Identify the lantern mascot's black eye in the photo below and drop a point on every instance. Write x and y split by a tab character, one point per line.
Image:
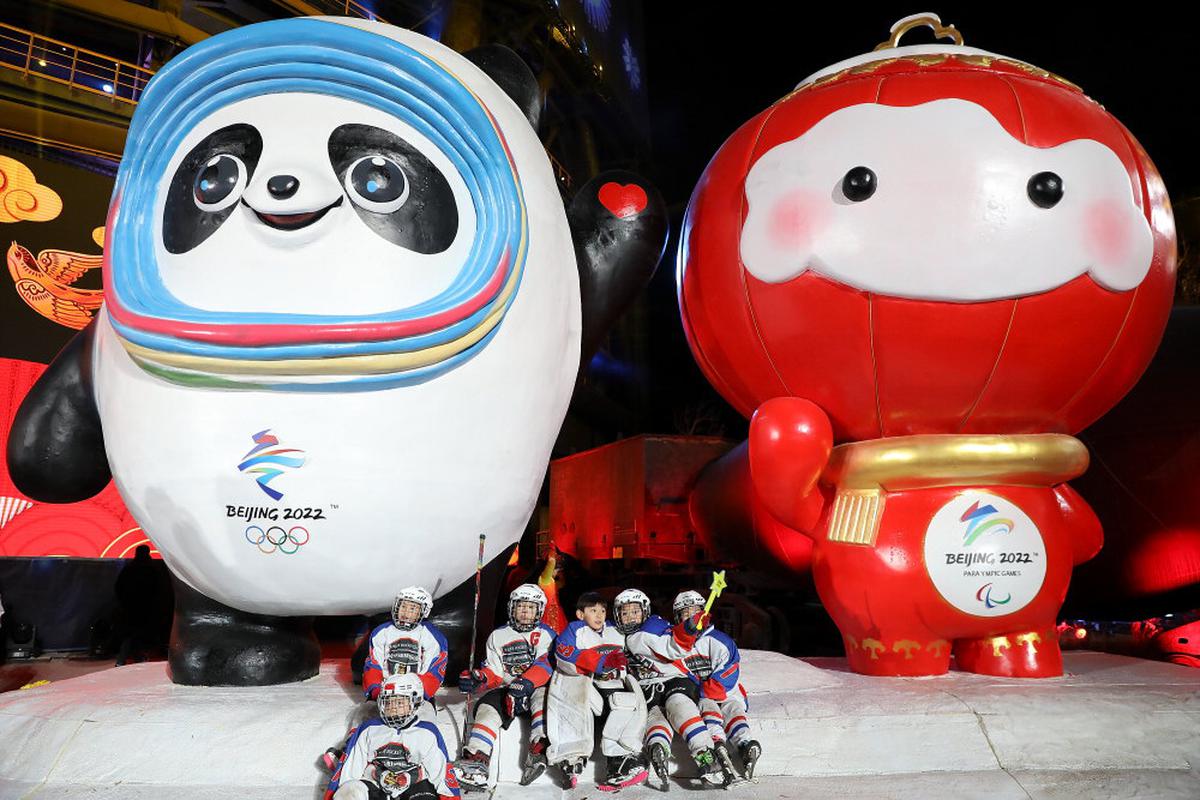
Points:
340	334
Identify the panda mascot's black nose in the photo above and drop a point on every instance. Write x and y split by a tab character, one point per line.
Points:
282	187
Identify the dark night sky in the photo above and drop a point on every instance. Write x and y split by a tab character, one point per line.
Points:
712	66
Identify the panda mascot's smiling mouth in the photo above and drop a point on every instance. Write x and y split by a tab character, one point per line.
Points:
292	222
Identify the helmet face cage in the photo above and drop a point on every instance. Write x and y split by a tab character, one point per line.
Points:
630	597
526	593
684	602
417	596
399	700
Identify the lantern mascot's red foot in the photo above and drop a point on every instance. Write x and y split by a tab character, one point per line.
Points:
919	274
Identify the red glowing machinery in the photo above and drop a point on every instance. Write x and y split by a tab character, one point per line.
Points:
919	274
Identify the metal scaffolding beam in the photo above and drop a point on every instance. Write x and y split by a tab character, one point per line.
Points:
139	18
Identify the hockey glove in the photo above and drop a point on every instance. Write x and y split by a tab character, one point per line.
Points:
472	679
611	661
693	625
520	695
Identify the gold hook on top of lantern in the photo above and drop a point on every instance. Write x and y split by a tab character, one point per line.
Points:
927	19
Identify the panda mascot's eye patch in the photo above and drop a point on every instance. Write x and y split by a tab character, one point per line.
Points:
394	188
205	188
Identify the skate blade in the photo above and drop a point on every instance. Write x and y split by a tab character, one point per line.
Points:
633	781
532	773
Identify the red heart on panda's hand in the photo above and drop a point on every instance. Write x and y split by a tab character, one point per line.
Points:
625	201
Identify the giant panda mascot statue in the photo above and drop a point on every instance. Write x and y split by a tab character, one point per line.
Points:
342	326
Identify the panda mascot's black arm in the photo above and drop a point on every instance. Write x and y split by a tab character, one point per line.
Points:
56	445
618	220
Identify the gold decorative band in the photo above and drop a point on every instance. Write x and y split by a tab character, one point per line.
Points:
855	517
927	461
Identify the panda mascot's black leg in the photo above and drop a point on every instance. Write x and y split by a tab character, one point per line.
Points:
215	645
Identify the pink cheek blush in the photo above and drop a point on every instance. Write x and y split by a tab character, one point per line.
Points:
1106	232
795	220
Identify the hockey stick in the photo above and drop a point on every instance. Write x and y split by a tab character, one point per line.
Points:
469	716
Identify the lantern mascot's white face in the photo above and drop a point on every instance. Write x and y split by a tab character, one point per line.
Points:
341	326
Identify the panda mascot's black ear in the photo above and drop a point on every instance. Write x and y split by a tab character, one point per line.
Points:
512	74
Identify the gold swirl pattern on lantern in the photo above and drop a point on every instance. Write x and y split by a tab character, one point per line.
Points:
22	198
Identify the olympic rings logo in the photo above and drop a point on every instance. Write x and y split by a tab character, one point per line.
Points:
276	538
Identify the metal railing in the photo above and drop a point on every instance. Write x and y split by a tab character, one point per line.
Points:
346	8
61	62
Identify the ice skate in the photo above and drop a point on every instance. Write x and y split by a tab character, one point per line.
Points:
623	772
535	762
709	765
726	769
750	752
571	771
657	756
472	770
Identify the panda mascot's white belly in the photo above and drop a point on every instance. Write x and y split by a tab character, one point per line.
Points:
328	495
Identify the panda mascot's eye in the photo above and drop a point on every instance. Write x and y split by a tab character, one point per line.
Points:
207	184
220	183
394	188
377	184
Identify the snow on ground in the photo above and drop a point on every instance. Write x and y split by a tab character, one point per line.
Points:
1112	727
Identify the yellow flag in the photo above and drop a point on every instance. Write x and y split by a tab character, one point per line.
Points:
714	591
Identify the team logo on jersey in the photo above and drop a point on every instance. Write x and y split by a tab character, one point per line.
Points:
516	656
393	757
403	656
565	650
698	665
642	667
268	461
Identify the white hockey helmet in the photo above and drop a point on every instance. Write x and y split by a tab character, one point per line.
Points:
685	600
413	594
637	597
526	593
392	694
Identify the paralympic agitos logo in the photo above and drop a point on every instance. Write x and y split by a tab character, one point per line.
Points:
980	521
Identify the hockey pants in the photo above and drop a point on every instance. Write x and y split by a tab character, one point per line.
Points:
491	716
727	718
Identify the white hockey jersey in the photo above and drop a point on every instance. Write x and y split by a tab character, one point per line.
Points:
510	654
417	749
393	651
578	651
654	656
713	659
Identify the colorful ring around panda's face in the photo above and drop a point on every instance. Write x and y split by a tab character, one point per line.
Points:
338	214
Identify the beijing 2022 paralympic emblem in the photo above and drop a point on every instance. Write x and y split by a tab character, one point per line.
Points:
985	555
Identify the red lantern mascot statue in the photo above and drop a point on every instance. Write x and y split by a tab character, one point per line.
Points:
919	273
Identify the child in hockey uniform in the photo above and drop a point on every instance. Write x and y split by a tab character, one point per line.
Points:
512	677
655	659
407	644
395	756
714	660
590	679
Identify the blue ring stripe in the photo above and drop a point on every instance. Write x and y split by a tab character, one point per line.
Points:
166	120
340	61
